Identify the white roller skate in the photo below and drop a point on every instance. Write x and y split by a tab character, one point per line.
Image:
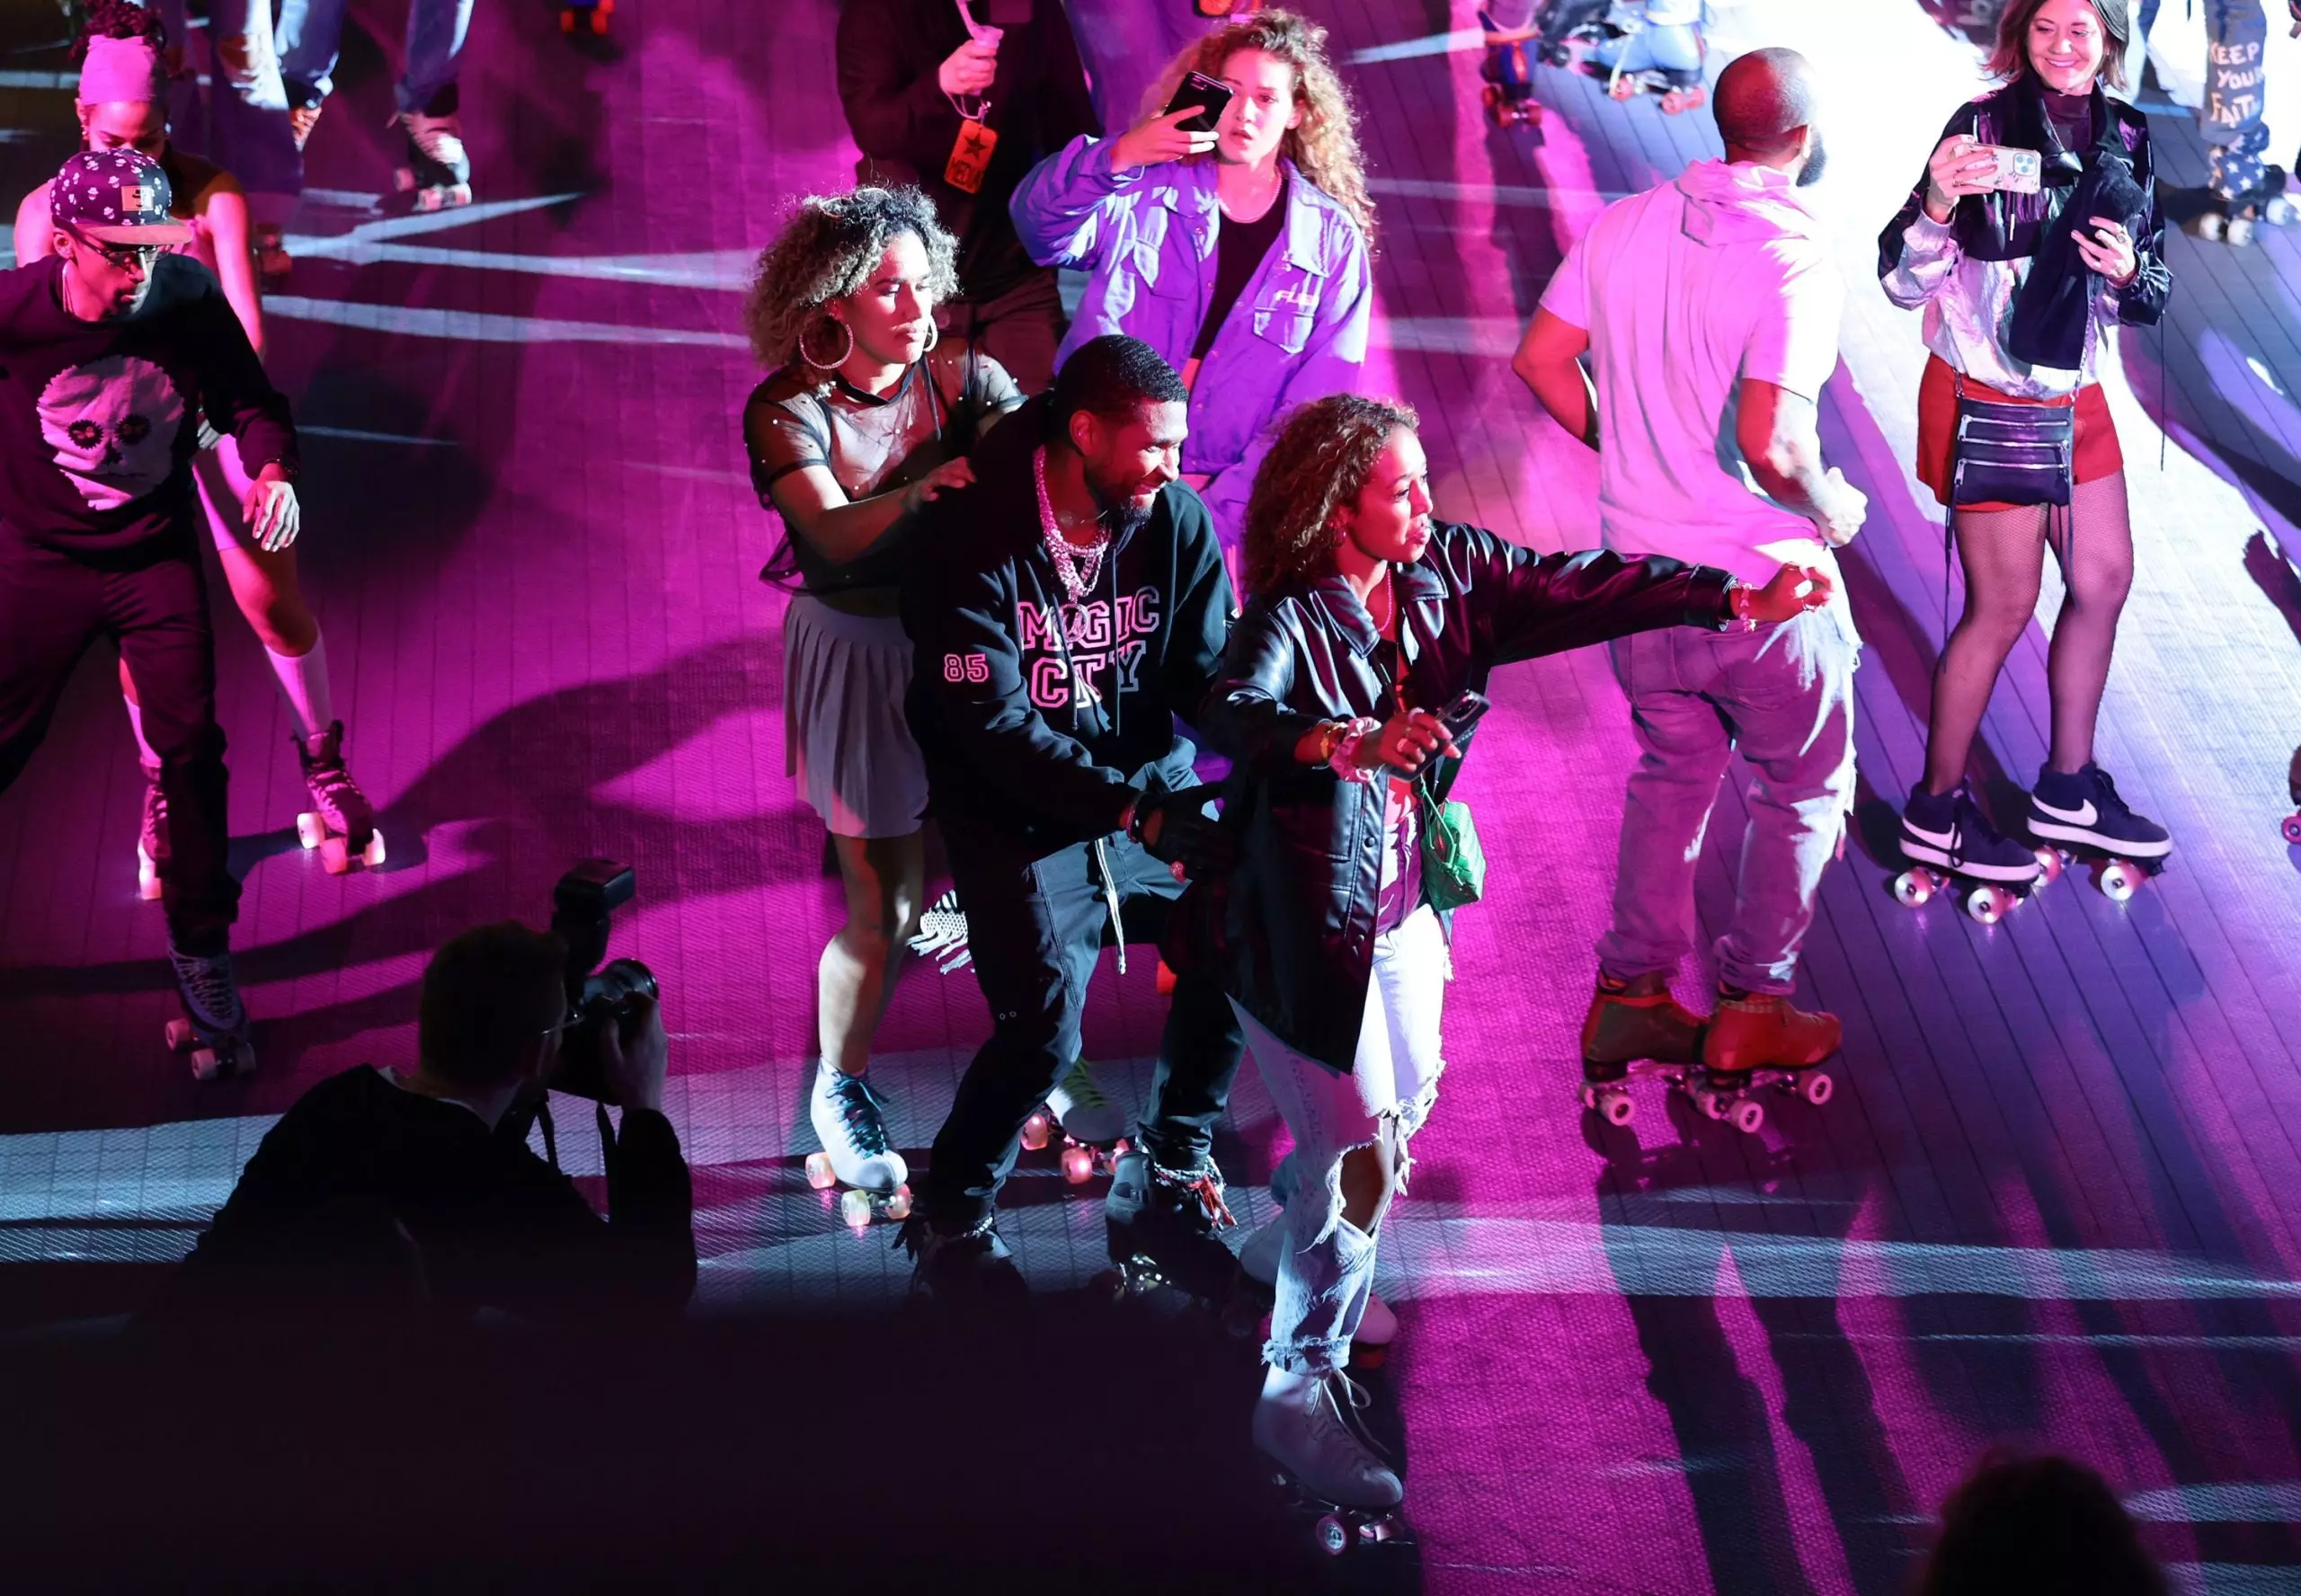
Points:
850	1120
152	837
341	823
1378	1327
437	172
1323	1462
214	1029
1093	1127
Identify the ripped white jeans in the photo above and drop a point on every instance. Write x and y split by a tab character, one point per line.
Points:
1327	1267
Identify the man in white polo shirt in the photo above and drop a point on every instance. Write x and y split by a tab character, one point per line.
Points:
1708	307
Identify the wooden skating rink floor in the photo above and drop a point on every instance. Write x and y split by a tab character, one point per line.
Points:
2055	1203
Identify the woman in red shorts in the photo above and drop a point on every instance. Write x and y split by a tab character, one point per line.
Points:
2019	292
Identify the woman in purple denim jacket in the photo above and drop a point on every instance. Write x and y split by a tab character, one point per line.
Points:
1248	272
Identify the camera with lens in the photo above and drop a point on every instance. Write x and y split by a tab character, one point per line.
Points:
600	990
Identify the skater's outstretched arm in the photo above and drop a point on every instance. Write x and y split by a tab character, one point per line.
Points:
1549	361
1544	603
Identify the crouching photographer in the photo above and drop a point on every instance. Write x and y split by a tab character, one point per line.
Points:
435	1159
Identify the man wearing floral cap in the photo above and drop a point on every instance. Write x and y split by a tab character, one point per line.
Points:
111	352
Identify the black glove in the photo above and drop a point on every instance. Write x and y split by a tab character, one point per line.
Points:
1176	829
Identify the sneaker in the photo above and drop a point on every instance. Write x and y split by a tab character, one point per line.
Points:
1299	1425
1948	830
1259	1258
1764	1031
2084	808
850	1120
1633	1020
1080	1107
971	1265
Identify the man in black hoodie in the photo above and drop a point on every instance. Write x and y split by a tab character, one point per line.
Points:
1063	610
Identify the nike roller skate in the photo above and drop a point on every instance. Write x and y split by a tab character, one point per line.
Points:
849	1118
1093	1128
1322	1465
438	172
341	823
152	837
2080	820
1950	844
214	1029
1508	75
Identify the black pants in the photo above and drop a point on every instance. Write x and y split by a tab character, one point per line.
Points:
154	607
1034	924
1020	329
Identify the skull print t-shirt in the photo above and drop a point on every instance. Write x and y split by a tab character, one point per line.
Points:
99	420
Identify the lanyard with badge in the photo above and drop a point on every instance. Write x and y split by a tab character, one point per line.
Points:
971	154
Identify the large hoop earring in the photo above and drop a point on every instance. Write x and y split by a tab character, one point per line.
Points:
831	364
934	337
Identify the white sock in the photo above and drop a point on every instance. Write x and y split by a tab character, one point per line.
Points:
136	725
303	682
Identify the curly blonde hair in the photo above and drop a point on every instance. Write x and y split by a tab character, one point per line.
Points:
1320	461
1325	147
827	251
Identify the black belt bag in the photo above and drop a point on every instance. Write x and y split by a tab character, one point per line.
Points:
2005	453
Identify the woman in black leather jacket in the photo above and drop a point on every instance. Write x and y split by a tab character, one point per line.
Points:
2020	293
1365	616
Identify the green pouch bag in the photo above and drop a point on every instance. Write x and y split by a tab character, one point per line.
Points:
1453	864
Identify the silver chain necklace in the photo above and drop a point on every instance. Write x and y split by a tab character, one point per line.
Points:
1077	567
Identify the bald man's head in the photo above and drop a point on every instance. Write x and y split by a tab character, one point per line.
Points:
1763	104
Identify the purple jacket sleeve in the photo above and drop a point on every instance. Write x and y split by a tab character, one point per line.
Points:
1063	210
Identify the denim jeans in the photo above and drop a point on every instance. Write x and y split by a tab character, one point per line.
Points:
1327	1268
1035	927
1784	695
311	29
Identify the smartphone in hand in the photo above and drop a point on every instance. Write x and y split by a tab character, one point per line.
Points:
1463	714
2018	171
1208	95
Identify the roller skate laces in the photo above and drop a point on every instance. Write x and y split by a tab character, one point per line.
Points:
341	822
1204	1187
1078	1104
850	1119
211	997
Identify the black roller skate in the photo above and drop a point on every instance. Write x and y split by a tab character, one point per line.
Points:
972	1265
1952	845
438	172
214	1029
2080	820
152	837
1509	75
341	822
1162	1227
